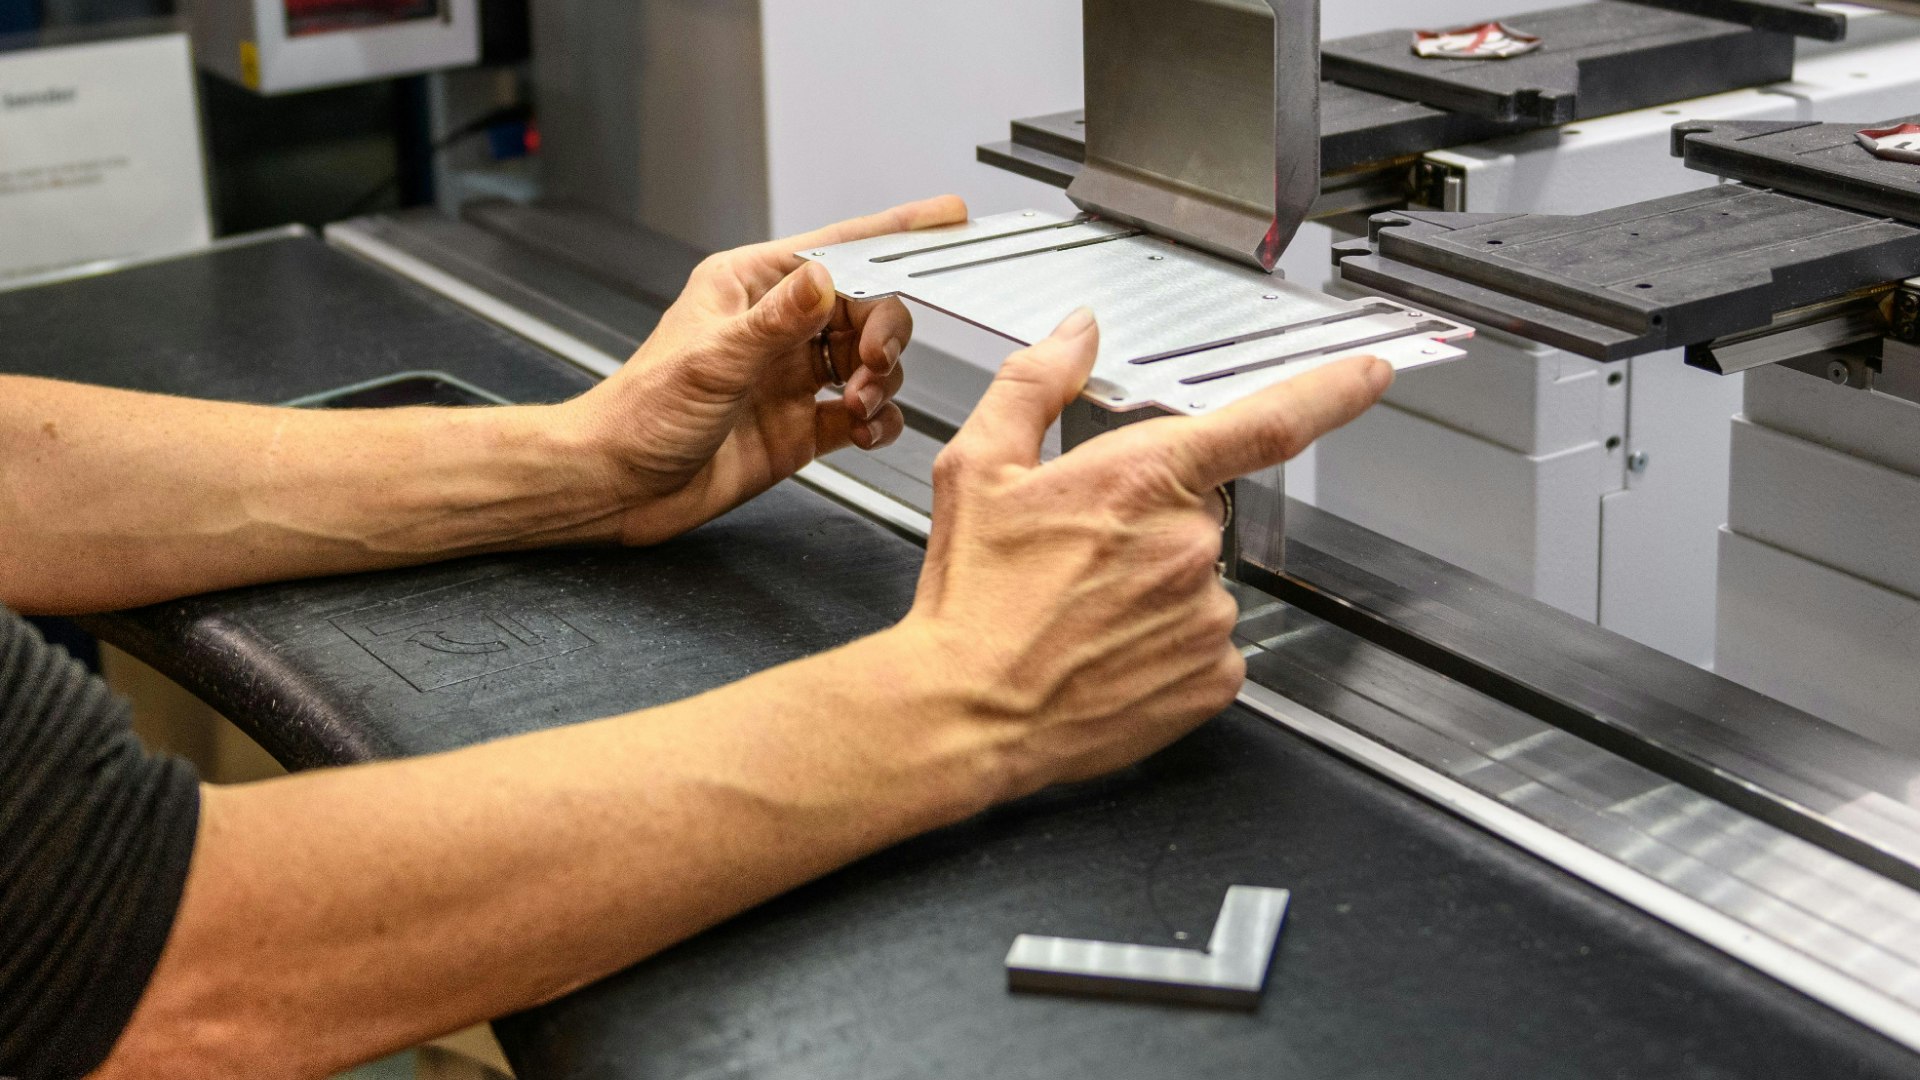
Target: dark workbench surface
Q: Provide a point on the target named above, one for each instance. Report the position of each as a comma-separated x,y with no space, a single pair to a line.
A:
1417,947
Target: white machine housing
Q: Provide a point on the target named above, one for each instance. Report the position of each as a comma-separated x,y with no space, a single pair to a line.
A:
99,155
247,42
1598,489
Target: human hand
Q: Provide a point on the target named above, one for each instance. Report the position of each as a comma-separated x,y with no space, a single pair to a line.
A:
1079,601
722,401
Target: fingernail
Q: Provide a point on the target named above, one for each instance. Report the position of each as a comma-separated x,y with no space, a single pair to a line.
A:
870,401
808,291
893,350
1076,324
1379,375
874,433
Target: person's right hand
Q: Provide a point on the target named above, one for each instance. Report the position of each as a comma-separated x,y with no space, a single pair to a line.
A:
1079,602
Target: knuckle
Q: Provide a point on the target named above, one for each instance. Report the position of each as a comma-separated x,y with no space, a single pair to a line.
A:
1172,457
743,335
1152,483
1277,439
1169,469
1199,545
1025,366
1228,677
1280,439
1223,614
955,463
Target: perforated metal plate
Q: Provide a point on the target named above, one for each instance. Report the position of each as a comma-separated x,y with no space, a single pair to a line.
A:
1180,329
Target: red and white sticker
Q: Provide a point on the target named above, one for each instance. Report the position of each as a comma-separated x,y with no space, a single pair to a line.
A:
1895,143
1488,41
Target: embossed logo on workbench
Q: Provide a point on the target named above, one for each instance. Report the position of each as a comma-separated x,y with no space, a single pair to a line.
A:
435,640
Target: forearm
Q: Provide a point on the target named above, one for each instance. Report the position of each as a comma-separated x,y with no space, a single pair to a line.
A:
349,914
110,499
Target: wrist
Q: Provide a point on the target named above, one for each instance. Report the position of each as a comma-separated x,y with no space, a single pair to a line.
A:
934,706
554,472
622,454
930,678
651,496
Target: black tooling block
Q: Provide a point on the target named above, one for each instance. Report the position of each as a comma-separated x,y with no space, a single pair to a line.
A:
1598,59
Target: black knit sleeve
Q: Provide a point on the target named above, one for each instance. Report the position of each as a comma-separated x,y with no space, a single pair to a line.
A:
95,837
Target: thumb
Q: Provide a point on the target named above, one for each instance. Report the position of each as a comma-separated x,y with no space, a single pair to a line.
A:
792,312
1034,386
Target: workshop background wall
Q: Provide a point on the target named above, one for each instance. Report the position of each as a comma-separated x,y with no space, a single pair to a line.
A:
655,113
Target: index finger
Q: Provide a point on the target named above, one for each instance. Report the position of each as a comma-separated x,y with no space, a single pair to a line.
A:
1275,425
924,214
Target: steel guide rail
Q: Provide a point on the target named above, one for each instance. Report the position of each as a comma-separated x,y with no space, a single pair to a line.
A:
1808,778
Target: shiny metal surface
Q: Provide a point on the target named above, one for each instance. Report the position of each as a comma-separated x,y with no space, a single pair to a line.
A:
1701,900
1822,923
584,308
1899,374
1230,971
1795,335
1203,120
1855,798
1180,329
1381,188
363,238
850,492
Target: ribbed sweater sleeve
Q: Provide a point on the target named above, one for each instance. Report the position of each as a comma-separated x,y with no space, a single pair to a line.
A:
95,838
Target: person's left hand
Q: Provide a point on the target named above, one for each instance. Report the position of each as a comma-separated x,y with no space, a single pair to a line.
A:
723,401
